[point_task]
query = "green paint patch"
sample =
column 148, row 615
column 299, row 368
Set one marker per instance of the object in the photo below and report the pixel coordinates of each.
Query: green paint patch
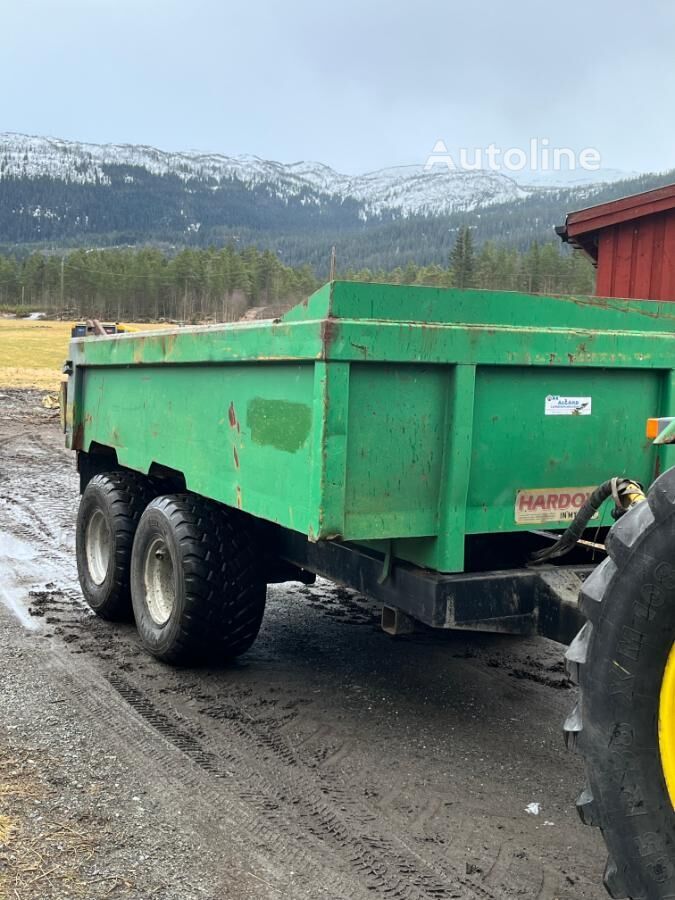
column 278, row 423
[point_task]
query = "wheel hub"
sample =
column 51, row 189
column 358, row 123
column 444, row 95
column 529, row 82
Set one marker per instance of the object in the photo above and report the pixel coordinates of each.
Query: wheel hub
column 158, row 575
column 98, row 546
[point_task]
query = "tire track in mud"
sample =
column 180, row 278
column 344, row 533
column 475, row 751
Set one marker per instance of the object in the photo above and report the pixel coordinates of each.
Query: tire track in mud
column 402, row 846
column 261, row 816
column 40, row 526
column 384, row 862
column 191, row 795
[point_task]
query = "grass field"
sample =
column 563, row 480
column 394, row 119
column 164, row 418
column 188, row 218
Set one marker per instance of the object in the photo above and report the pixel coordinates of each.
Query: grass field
column 33, row 352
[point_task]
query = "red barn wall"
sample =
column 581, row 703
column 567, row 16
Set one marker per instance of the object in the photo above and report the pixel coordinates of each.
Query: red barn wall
column 636, row 258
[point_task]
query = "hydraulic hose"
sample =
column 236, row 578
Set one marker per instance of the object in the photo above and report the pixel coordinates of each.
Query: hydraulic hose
column 626, row 493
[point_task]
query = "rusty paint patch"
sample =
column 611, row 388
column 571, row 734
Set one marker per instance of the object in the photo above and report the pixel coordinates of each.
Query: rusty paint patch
column 236, row 457
column 232, row 416
column 78, row 437
column 167, row 342
column 609, row 303
column 239, row 503
column 328, row 334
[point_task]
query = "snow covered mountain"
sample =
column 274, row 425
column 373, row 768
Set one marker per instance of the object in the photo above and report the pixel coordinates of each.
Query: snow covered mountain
column 57, row 194
column 572, row 178
column 406, row 190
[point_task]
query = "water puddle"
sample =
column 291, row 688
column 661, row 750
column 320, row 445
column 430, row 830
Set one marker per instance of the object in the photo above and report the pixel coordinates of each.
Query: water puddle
column 19, row 573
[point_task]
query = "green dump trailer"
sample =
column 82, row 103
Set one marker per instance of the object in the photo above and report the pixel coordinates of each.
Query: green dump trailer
column 416, row 444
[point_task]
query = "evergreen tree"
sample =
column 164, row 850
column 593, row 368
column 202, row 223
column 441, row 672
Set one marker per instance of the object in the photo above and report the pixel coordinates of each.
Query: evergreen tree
column 463, row 260
column 220, row 283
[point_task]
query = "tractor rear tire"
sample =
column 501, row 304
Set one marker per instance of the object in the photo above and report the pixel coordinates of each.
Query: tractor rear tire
column 619, row 659
column 196, row 583
column 109, row 512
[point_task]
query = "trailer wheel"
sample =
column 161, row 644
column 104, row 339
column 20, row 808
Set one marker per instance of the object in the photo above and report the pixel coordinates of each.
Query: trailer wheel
column 109, row 512
column 195, row 581
column 624, row 723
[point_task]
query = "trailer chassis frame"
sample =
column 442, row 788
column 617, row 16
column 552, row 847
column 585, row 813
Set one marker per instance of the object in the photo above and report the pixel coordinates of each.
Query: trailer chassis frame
column 525, row 601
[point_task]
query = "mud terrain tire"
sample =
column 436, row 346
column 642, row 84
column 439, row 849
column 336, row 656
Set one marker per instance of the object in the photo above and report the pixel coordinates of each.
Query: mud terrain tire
column 196, row 581
column 618, row 659
column 109, row 512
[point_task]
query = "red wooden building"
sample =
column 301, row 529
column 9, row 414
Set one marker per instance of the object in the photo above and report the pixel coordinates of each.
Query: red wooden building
column 632, row 243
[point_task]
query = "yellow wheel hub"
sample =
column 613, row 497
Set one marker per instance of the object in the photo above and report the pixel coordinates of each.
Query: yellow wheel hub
column 667, row 725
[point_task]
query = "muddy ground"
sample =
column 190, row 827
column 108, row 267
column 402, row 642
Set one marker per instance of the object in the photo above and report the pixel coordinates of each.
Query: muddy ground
column 329, row 762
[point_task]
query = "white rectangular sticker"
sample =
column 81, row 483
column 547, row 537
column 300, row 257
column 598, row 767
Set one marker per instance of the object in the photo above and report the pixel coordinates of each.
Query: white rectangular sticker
column 556, row 405
column 541, row 505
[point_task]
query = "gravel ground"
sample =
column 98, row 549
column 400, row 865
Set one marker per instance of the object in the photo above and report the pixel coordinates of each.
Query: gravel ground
column 329, row 762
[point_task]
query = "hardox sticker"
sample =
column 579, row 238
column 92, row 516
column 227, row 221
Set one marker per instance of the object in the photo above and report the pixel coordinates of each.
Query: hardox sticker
column 542, row 505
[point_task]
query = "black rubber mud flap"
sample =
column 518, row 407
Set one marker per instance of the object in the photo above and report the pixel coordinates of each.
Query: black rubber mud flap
column 117, row 501
column 216, row 580
column 618, row 660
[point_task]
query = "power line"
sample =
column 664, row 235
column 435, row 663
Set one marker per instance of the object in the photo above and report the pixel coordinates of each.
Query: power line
column 108, row 273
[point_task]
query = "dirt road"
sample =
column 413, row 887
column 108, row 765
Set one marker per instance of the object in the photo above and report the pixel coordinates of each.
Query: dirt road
column 329, row 762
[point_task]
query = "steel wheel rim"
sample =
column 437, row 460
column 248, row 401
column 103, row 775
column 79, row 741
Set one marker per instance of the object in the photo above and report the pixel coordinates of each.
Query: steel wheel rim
column 667, row 725
column 98, row 546
column 158, row 577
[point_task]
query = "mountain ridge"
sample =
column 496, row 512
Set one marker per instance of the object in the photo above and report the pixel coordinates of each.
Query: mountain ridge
column 58, row 193
column 410, row 190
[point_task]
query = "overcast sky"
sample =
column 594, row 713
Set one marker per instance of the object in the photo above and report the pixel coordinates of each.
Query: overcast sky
column 353, row 84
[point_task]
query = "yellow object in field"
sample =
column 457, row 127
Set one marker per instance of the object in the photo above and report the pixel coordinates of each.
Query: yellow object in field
column 51, row 401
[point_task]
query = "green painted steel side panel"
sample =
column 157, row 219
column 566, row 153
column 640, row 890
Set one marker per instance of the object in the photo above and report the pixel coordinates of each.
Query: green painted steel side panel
column 392, row 486
column 382, row 413
column 241, row 435
column 539, row 451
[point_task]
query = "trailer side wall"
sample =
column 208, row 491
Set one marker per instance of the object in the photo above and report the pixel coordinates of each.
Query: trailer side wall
column 351, row 419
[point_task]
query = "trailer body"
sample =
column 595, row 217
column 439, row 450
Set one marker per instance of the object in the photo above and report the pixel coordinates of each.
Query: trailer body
column 408, row 424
